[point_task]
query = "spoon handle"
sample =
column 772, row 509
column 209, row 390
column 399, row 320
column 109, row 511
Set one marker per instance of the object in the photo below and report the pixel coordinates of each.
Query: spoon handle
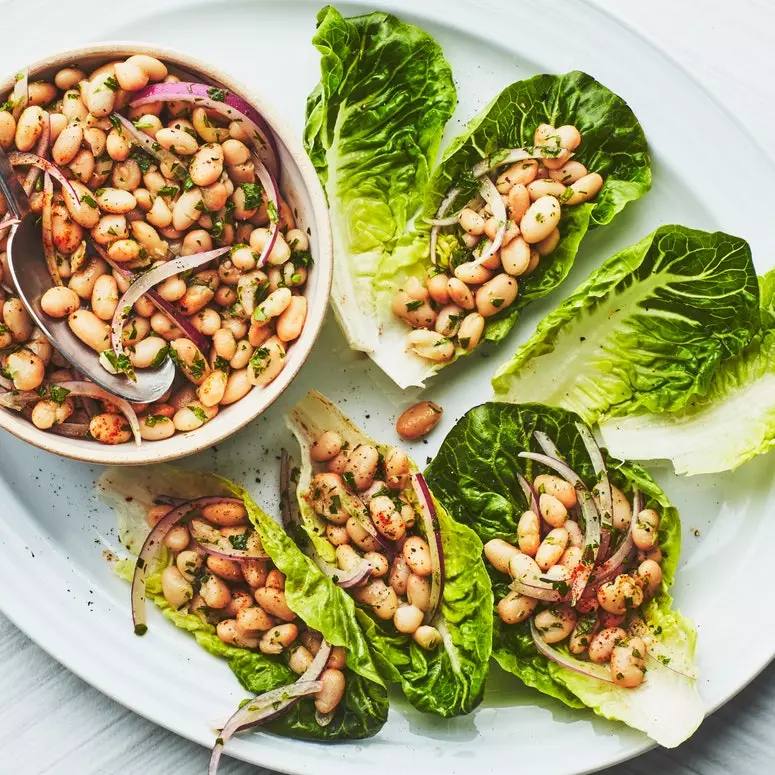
column 12, row 189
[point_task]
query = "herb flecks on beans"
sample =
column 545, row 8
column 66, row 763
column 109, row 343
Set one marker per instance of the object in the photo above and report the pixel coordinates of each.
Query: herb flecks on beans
column 606, row 625
column 370, row 511
column 147, row 184
column 502, row 234
column 213, row 576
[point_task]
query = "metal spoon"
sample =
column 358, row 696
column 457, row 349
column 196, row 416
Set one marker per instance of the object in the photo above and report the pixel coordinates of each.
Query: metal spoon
column 29, row 273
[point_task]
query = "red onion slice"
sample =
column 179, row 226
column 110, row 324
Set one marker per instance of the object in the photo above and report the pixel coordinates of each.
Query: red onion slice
column 19, row 159
column 231, row 106
column 443, row 207
column 626, row 550
column 345, row 579
column 273, row 196
column 73, row 430
column 604, row 483
column 152, row 543
column 589, row 669
column 492, row 196
column 433, row 536
column 530, row 494
column 168, row 308
column 545, row 594
column 17, row 399
column 41, row 149
column 92, row 391
column 591, row 521
column 269, row 705
column 176, row 165
column 493, row 161
column 21, row 94
column 142, row 284
column 7, row 222
column 46, row 218
column 218, row 545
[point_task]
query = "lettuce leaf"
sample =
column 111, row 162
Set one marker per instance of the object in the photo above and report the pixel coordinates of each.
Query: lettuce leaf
column 613, row 144
column 730, row 425
column 475, row 476
column 317, row 601
column 450, row 680
column 646, row 331
column 374, row 125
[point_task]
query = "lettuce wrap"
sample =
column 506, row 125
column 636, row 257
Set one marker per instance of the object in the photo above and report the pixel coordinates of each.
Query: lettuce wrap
column 309, row 593
column 448, row 680
column 475, row 474
column 646, row 331
column 374, row 124
column 733, row 422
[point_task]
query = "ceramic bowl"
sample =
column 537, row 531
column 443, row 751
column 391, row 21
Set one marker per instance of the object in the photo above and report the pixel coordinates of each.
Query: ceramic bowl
column 300, row 187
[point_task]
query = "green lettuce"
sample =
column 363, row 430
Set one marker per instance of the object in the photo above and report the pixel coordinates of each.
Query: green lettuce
column 475, row 476
column 613, row 144
column 732, row 423
column 448, row 681
column 374, row 125
column 316, row 600
column 646, row 331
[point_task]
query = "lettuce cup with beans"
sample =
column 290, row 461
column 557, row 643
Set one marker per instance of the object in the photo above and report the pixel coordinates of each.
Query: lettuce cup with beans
column 166, row 236
column 221, row 569
column 362, row 510
column 582, row 550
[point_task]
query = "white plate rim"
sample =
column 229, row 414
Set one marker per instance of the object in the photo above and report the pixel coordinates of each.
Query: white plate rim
column 39, row 635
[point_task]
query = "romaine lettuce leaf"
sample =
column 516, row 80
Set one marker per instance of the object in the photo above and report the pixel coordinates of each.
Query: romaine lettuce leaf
column 731, row 424
column 317, row 601
column 374, row 124
column 613, row 144
column 645, row 332
column 475, row 476
column 450, row 680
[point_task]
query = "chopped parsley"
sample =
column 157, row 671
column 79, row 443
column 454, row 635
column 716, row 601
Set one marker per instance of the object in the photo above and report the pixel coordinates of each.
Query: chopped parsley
column 160, row 357
column 259, row 360
column 219, row 95
column 152, row 420
column 58, row 394
column 112, row 83
column 168, row 191
column 113, row 118
column 120, row 363
column 198, row 412
column 221, row 364
column 301, row 258
column 411, row 306
column 239, row 542
column 89, row 200
column 271, row 209
column 144, row 160
column 349, row 480
column 197, row 368
column 253, row 195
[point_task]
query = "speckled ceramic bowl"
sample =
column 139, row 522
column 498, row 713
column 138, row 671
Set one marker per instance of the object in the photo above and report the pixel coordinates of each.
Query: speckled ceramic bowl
column 300, row 187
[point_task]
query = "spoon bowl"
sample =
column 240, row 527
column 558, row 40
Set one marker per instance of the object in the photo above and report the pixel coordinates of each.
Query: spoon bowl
column 29, row 273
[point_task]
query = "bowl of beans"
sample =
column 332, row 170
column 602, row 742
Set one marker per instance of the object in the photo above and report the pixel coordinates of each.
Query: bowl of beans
column 180, row 219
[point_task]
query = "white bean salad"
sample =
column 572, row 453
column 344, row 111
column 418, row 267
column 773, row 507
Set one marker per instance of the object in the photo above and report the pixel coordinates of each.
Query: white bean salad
column 370, row 508
column 150, row 170
column 243, row 598
column 504, row 232
column 605, row 625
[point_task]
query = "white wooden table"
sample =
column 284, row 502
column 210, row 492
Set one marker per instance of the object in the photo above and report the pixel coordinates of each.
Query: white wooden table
column 52, row 722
